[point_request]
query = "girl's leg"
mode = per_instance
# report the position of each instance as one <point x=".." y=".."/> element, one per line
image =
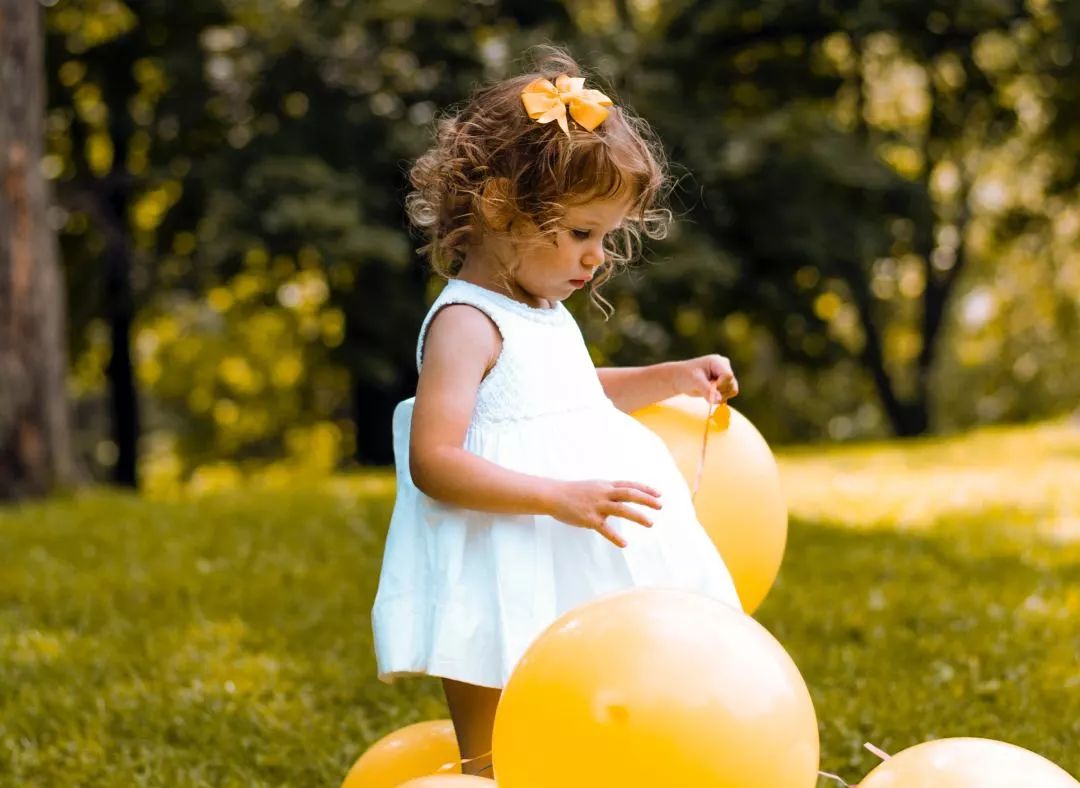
<point x="472" y="709"/>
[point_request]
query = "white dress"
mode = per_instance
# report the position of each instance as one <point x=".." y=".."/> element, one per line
<point x="462" y="593"/>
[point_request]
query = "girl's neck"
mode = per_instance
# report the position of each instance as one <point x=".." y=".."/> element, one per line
<point x="482" y="268"/>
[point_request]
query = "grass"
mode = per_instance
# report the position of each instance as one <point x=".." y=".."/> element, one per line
<point x="930" y="589"/>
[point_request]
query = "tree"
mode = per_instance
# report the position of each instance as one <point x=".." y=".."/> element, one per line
<point x="127" y="118"/>
<point x="360" y="83"/>
<point x="35" y="453"/>
<point x="835" y="234"/>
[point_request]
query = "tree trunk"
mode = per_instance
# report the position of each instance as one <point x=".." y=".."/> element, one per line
<point x="939" y="285"/>
<point x="908" y="418"/>
<point x="120" y="305"/>
<point x="35" y="437"/>
<point x="373" y="400"/>
<point x="373" y="408"/>
<point x="113" y="198"/>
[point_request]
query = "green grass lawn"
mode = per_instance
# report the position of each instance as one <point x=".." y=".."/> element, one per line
<point x="928" y="590"/>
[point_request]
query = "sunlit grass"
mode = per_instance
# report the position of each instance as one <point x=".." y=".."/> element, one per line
<point x="932" y="589"/>
<point x="929" y="589"/>
<point x="1030" y="473"/>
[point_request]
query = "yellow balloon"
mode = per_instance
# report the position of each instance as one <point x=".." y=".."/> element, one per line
<point x="655" y="687"/>
<point x="413" y="751"/>
<point x="739" y="501"/>
<point x="449" y="781"/>
<point x="967" y="763"/>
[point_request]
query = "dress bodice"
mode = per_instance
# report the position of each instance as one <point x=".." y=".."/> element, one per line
<point x="544" y="367"/>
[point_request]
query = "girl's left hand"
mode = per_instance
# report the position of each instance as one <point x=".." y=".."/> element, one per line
<point x="701" y="376"/>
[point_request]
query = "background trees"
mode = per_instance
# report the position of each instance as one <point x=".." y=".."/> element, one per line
<point x="878" y="212"/>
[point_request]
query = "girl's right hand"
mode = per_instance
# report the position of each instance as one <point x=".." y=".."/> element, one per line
<point x="588" y="504"/>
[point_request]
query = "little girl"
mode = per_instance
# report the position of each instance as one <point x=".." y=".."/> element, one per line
<point x="524" y="487"/>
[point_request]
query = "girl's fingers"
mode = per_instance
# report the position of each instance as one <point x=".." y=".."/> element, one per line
<point x="626" y="513"/>
<point x="639" y="486"/>
<point x="609" y="533"/>
<point x="631" y="495"/>
<point x="719" y="368"/>
<point x="723" y="389"/>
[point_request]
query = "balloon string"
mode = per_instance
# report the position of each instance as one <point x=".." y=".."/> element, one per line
<point x="705" y="439"/>
<point x="877" y="751"/>
<point x="454" y="764"/>
<point x="837" y="778"/>
<point x="828" y="775"/>
<point x="880" y="753"/>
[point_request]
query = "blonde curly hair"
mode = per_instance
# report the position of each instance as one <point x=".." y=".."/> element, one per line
<point x="492" y="166"/>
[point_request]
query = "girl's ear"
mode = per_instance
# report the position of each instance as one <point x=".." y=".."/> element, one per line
<point x="496" y="205"/>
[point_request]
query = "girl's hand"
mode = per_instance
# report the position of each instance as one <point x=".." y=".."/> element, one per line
<point x="588" y="504"/>
<point x="704" y="375"/>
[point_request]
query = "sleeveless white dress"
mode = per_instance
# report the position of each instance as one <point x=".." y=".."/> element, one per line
<point x="462" y="593"/>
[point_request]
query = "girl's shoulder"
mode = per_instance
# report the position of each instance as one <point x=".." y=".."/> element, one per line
<point x="506" y="315"/>
<point x="465" y="318"/>
<point x="458" y="329"/>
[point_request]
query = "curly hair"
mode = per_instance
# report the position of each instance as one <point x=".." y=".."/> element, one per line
<point x="491" y="166"/>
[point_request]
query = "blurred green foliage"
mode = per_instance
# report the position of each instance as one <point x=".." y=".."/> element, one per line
<point x="225" y="639"/>
<point x="878" y="206"/>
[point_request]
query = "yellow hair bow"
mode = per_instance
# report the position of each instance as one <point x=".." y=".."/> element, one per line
<point x="546" y="102"/>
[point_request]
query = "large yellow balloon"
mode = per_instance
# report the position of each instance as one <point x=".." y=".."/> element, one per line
<point x="655" y="687"/>
<point x="968" y="763"/>
<point x="413" y="751"/>
<point x="449" y="781"/>
<point x="739" y="501"/>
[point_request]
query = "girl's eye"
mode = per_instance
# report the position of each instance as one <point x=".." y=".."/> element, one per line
<point x="581" y="235"/>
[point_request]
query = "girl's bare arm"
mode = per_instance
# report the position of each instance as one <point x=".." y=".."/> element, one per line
<point x="632" y="388"/>
<point x="461" y="346"/>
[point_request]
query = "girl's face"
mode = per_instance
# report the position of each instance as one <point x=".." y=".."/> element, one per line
<point x="548" y="272"/>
